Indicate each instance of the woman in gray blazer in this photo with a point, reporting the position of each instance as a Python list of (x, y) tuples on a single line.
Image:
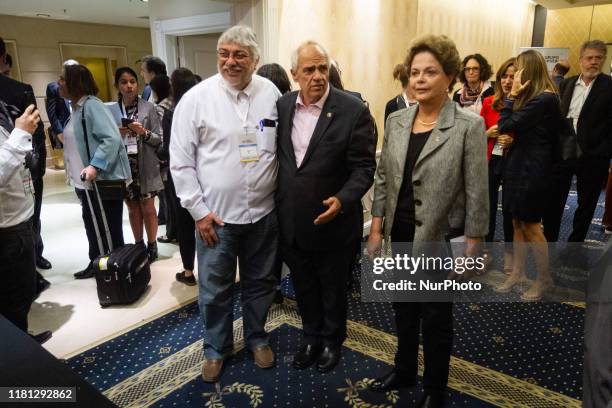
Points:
[(141, 131), (432, 178)]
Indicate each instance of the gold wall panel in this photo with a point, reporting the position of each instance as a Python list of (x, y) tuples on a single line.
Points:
[(369, 37), (569, 28)]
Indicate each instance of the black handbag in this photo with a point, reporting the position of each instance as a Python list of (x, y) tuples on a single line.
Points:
[(567, 146), (108, 189)]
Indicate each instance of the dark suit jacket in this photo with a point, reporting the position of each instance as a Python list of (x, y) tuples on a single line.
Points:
[(146, 92), (595, 120), (57, 107), (18, 96), (340, 161)]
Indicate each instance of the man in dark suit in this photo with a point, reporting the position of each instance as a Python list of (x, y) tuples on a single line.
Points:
[(586, 101), (326, 153), (18, 96), (58, 111)]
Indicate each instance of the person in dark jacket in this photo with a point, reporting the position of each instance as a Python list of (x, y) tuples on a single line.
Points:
[(586, 103), (532, 114), (181, 81), (404, 99)]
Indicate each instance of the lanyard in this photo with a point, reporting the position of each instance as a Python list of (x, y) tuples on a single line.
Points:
[(123, 109)]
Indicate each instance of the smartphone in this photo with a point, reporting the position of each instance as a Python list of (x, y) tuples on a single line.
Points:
[(125, 122)]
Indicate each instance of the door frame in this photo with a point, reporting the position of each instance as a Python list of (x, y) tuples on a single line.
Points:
[(166, 31)]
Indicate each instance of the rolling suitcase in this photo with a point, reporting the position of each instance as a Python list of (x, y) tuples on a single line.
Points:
[(122, 274)]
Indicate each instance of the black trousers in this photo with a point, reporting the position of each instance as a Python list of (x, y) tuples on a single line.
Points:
[(184, 228), (170, 203), (435, 320), (114, 216), (18, 273), (496, 173), (37, 183), (320, 283), (591, 173)]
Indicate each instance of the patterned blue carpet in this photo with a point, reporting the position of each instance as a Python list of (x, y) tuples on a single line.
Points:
[(505, 354)]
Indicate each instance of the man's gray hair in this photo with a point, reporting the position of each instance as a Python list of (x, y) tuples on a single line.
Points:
[(594, 45), (296, 53), (241, 35)]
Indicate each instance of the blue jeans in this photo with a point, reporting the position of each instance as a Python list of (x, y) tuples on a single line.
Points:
[(255, 246)]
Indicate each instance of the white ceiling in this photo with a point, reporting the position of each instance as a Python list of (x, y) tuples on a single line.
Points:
[(557, 4), (115, 12)]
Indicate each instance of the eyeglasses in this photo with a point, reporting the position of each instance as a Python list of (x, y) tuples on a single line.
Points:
[(237, 55), (472, 69)]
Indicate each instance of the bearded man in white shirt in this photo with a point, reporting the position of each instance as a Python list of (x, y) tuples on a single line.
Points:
[(223, 162)]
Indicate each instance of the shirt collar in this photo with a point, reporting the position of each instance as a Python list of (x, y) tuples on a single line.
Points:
[(81, 101), (319, 104), (248, 90), (580, 81)]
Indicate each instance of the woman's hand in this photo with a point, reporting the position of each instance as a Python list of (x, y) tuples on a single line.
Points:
[(517, 86), (29, 120), (492, 131), (124, 131), (505, 141), (137, 128), (374, 244), (89, 173)]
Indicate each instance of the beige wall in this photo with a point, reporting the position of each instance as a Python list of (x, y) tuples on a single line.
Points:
[(369, 37), (569, 28), (39, 50)]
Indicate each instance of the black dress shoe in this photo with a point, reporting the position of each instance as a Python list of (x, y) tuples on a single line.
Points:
[(328, 359), (41, 285), (392, 381), (85, 273), (42, 263), (306, 356), (431, 400), (41, 338)]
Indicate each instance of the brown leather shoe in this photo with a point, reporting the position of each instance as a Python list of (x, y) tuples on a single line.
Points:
[(211, 369), (263, 356)]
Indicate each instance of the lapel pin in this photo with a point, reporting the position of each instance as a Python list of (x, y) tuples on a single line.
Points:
[(329, 114), (437, 138)]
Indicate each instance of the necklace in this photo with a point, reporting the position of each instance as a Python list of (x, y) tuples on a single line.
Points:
[(427, 123)]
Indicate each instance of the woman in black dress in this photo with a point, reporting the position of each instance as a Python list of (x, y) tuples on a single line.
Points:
[(532, 113)]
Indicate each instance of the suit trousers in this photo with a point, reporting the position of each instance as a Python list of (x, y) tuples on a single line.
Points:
[(37, 183), (435, 320), (591, 173), (320, 283), (169, 194), (607, 218), (113, 209), (18, 272), (255, 246)]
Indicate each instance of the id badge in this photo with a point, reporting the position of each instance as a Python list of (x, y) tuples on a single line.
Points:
[(248, 147), (132, 145), (497, 150)]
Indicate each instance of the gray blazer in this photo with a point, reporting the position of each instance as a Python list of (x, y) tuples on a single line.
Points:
[(450, 177), (148, 162)]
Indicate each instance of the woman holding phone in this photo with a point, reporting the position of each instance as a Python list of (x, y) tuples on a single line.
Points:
[(141, 130)]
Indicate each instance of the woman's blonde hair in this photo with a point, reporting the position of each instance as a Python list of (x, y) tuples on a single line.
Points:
[(534, 69)]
